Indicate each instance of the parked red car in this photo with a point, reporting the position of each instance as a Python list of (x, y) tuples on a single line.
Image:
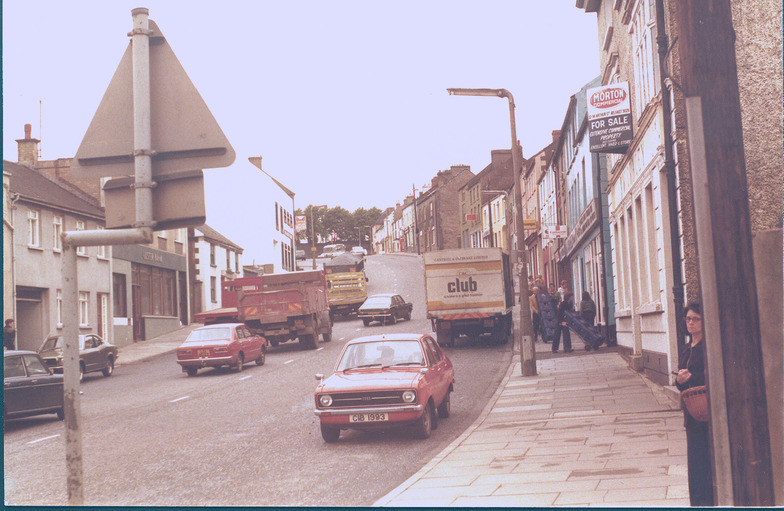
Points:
[(383, 381), (229, 344)]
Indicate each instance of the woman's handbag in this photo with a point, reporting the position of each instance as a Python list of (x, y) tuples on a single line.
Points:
[(696, 401)]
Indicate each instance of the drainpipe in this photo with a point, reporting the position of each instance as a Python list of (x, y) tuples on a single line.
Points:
[(669, 170)]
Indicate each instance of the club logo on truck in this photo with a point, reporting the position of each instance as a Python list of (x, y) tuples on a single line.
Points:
[(461, 286)]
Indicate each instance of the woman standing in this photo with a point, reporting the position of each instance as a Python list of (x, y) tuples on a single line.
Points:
[(588, 308), (691, 373), (563, 329)]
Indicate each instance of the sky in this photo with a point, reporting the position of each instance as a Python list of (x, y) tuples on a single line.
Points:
[(345, 101)]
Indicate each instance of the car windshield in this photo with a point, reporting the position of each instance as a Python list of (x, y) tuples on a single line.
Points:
[(210, 334), (376, 301), (382, 354)]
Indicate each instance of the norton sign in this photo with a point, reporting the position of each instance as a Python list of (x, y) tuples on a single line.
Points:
[(609, 118)]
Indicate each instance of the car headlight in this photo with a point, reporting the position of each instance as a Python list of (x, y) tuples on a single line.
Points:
[(325, 400), (409, 396)]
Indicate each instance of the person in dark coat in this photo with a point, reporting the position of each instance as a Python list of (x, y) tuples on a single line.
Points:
[(9, 335), (691, 373), (588, 308), (563, 330)]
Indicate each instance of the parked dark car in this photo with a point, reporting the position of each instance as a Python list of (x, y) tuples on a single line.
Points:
[(95, 354), (29, 387), (385, 381), (386, 308)]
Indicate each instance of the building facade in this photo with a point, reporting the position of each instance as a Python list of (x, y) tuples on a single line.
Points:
[(438, 209), (40, 209), (214, 259)]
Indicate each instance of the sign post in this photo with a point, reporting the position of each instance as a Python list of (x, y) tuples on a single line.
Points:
[(138, 148)]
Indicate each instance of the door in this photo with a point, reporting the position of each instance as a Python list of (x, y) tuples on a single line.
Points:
[(138, 326), (103, 315)]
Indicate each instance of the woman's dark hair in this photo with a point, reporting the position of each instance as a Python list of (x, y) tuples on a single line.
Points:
[(695, 307), (586, 295), (567, 296)]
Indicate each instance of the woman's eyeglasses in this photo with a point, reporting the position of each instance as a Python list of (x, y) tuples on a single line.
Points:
[(693, 319)]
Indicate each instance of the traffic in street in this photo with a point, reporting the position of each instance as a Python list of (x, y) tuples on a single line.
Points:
[(154, 436)]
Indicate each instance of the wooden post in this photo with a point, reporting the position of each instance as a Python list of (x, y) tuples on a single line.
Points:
[(731, 317)]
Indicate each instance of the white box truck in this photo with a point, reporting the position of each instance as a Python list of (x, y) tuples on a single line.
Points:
[(470, 292)]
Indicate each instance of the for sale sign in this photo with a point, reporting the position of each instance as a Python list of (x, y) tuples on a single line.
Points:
[(301, 223), (609, 118)]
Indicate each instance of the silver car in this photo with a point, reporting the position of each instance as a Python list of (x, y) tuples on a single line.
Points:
[(95, 354)]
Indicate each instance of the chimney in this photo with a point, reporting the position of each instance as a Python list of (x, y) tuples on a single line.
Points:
[(28, 147)]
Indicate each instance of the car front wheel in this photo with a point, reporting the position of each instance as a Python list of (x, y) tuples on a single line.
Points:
[(330, 434), (81, 372), (424, 426), (109, 369)]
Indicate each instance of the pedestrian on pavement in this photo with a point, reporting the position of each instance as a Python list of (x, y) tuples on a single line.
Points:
[(554, 293), (588, 308), (535, 316), (563, 289), (566, 305), (9, 334), (691, 373)]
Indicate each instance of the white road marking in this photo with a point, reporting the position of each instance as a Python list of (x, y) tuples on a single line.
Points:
[(246, 377), (321, 348), (179, 399), (288, 361), (342, 339), (42, 439)]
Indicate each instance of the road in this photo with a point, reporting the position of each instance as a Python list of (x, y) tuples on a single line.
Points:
[(153, 436)]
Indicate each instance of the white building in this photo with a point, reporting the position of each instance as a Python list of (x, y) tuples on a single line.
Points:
[(215, 259)]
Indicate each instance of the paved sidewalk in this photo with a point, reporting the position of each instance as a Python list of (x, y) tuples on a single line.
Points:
[(165, 343), (587, 430)]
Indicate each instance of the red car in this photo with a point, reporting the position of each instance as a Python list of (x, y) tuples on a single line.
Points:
[(224, 344), (381, 381)]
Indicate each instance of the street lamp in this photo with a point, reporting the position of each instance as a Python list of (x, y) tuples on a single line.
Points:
[(313, 234), (527, 349)]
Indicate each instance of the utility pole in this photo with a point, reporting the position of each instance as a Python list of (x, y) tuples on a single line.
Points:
[(736, 386), (416, 219)]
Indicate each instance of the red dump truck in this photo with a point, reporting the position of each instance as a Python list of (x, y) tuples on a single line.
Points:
[(280, 306)]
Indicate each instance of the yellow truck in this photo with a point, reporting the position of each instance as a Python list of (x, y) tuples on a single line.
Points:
[(469, 291), (346, 283)]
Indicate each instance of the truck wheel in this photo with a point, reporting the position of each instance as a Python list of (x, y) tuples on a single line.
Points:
[(327, 336), (445, 339), (308, 342), (365, 321)]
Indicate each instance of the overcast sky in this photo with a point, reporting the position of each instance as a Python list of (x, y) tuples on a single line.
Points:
[(345, 101)]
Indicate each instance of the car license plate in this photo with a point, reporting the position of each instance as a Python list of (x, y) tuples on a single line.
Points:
[(368, 417), (203, 353)]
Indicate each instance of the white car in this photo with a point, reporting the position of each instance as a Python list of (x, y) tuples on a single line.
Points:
[(359, 251)]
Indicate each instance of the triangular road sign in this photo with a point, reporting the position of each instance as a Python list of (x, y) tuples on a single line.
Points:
[(185, 135)]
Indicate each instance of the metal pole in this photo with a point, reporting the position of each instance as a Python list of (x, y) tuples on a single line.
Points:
[(527, 349), (312, 237), (142, 133), (416, 220), (71, 404)]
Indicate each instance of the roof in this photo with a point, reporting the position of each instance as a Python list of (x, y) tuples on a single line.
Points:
[(37, 187), (210, 233), (387, 337)]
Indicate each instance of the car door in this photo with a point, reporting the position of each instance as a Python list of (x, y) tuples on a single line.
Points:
[(46, 388), (15, 383), (396, 310), (254, 343)]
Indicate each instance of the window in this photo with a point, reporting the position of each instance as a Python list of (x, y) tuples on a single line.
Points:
[(57, 233), (119, 291), (162, 243), (641, 30), (213, 290), (59, 307), (84, 319), (212, 254), (81, 250), (33, 229), (157, 289)]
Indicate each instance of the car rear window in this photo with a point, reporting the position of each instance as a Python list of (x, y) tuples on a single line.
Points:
[(210, 334), (377, 301), (13, 367)]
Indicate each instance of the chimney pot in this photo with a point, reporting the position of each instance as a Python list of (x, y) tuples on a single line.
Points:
[(28, 131)]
